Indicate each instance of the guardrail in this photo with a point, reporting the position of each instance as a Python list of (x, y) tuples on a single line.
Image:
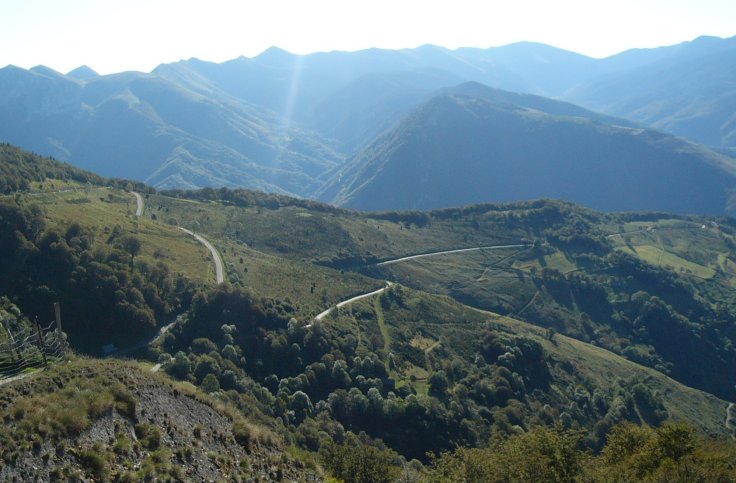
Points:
[(30, 349)]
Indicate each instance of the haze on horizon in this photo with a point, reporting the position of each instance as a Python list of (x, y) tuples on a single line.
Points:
[(139, 35)]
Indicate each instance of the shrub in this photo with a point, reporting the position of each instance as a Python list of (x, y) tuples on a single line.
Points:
[(210, 384), (148, 435), (242, 434), (94, 463)]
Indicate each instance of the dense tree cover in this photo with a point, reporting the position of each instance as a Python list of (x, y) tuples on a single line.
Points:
[(672, 453), (245, 198), (651, 314), (323, 384), (106, 294), (18, 168), (307, 377)]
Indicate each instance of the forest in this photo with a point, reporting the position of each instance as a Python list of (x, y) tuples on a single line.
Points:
[(562, 364)]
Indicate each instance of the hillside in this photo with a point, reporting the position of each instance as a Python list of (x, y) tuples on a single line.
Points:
[(19, 169), (474, 144), (141, 126), (369, 105), (657, 293), (114, 421), (689, 92), (500, 321)]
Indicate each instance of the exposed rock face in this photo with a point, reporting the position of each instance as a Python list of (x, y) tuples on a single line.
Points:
[(136, 424)]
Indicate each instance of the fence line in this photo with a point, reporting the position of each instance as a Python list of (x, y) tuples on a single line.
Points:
[(30, 349)]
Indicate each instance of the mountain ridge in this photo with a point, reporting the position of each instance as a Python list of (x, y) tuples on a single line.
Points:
[(474, 144), (286, 122)]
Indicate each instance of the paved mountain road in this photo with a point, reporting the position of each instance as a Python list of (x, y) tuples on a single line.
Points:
[(404, 259), (219, 270), (139, 204), (349, 301), (125, 350), (449, 252)]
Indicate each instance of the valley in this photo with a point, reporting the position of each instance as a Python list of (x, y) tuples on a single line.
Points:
[(454, 325), (384, 265)]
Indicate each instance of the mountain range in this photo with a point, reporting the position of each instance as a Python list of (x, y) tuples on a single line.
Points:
[(305, 125)]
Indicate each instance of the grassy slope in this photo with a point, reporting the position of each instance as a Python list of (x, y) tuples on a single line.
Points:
[(303, 234), (102, 208), (311, 287), (701, 409), (444, 329), (272, 235), (689, 247)]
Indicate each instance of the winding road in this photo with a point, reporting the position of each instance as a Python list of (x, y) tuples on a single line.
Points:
[(448, 252), (322, 315), (349, 301), (139, 203), (125, 350), (219, 271)]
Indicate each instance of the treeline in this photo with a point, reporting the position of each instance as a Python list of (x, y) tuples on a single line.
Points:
[(323, 387), (19, 168), (542, 215), (672, 453), (644, 312), (106, 293), (245, 198)]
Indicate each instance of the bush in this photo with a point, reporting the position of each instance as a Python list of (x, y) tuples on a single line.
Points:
[(210, 384), (148, 435), (542, 454), (243, 435), (359, 462), (94, 463)]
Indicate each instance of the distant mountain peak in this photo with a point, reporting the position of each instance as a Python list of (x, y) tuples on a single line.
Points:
[(47, 71), (430, 47), (275, 56), (82, 73), (473, 143)]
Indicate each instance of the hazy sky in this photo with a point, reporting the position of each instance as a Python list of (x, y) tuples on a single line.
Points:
[(112, 36)]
